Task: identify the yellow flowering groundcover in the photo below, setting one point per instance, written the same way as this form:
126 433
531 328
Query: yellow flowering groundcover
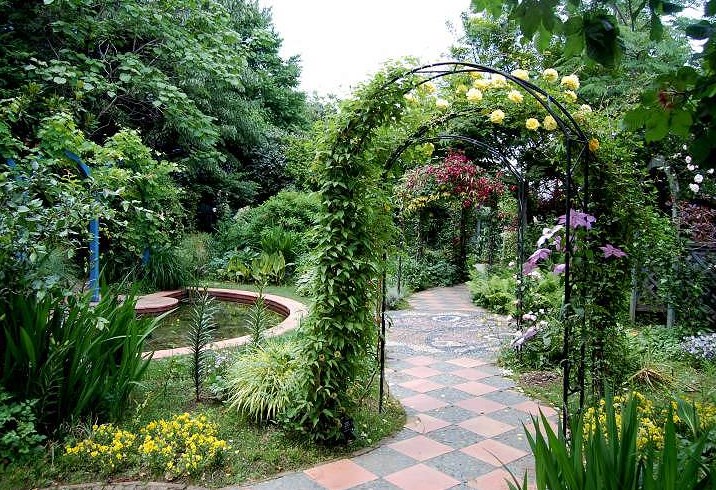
183 445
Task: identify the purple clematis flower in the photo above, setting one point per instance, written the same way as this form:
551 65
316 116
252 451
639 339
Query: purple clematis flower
612 251
577 219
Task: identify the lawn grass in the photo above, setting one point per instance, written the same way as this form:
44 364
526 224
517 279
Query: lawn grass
257 452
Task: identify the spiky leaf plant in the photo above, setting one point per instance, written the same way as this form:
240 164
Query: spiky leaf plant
200 335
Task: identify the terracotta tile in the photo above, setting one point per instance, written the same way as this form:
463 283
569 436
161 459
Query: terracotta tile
421 385
533 408
485 426
423 424
423 403
420 447
471 374
468 362
421 371
340 475
475 388
494 480
494 452
420 360
421 477
480 405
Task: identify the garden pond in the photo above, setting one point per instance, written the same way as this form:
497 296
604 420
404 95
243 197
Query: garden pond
231 320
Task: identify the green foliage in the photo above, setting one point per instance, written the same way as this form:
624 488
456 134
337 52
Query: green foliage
167 269
262 381
608 458
19 440
434 268
200 335
76 359
494 291
202 81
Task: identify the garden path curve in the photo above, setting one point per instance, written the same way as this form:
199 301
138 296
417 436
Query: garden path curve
464 417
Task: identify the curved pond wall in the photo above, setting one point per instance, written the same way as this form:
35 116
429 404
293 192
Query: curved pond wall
156 303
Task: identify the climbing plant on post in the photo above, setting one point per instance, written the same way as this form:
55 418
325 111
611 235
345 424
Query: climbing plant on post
351 230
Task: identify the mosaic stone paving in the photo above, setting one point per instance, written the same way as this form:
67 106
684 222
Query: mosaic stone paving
465 419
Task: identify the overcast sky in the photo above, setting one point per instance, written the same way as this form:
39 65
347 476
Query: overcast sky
342 42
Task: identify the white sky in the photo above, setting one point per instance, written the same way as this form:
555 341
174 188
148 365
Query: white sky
341 43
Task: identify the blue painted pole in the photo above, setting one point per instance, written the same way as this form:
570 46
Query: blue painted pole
94 230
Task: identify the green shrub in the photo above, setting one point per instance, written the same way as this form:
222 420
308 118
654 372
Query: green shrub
167 269
76 359
263 378
434 269
19 439
494 292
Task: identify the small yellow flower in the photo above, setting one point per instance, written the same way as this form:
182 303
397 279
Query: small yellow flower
428 149
474 95
475 75
409 97
551 75
521 74
570 82
593 145
481 84
515 96
532 124
429 87
585 108
570 95
497 116
549 123
441 103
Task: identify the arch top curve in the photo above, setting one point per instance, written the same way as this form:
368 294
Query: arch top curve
565 122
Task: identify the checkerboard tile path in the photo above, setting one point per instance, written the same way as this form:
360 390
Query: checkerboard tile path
464 426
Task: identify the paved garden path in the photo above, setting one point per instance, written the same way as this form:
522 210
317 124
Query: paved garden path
464 419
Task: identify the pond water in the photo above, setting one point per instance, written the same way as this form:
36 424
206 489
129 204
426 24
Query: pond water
231 321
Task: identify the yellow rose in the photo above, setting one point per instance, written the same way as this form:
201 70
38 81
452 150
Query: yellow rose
475 75
593 145
429 87
497 116
515 96
570 82
481 84
409 97
442 103
549 123
551 75
532 124
474 95
570 95
498 81
461 89
521 74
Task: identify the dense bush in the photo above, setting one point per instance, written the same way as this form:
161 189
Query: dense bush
434 268
284 224
493 291
19 439
74 358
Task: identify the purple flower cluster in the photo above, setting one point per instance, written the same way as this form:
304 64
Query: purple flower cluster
551 237
701 346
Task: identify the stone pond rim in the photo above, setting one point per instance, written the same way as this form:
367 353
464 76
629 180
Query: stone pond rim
163 301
